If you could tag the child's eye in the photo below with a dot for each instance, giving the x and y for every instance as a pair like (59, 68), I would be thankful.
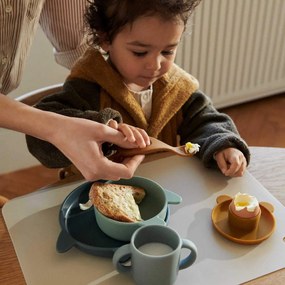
(168, 52)
(139, 54)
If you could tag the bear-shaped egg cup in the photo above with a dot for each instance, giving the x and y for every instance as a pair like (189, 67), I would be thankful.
(233, 220)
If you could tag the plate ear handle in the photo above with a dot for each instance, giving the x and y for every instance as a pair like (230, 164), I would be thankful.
(64, 242)
(222, 198)
(268, 206)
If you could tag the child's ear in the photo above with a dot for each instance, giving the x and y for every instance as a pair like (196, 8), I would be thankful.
(105, 43)
(105, 46)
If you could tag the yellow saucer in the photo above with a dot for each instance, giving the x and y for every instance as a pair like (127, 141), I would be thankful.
(263, 231)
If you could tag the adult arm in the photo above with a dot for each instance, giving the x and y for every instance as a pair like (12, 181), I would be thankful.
(83, 149)
(63, 24)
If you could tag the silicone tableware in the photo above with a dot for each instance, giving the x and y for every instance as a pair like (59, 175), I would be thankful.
(262, 232)
(79, 228)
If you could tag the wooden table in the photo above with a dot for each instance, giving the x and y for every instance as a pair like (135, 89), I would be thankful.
(267, 166)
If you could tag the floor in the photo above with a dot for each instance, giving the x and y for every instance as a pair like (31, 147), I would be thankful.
(261, 122)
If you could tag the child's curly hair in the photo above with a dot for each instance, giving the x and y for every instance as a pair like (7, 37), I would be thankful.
(106, 18)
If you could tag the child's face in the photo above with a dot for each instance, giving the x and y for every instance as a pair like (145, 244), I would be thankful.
(145, 51)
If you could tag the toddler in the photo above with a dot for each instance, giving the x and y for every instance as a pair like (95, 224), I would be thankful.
(128, 75)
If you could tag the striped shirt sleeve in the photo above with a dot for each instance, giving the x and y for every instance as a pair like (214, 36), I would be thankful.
(61, 21)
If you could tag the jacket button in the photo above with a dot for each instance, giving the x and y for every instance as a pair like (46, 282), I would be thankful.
(8, 9)
(4, 60)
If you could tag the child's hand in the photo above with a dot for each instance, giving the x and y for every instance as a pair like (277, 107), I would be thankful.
(231, 162)
(132, 134)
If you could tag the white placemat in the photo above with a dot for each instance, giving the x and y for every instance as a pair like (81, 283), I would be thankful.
(32, 222)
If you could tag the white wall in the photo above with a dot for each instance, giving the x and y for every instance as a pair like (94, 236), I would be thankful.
(41, 70)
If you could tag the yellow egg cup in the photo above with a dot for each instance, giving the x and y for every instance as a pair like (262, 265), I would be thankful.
(254, 231)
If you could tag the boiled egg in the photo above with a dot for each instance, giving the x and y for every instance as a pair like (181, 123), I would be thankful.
(191, 147)
(244, 205)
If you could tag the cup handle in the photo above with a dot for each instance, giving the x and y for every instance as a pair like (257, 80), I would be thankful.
(122, 254)
(190, 259)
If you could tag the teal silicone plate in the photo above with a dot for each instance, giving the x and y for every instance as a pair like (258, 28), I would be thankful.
(79, 228)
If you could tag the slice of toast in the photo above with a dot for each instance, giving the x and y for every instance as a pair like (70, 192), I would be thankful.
(118, 202)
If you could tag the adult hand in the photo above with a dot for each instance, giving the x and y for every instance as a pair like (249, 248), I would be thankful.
(81, 141)
(231, 162)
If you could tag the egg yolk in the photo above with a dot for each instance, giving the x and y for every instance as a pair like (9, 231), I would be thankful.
(242, 204)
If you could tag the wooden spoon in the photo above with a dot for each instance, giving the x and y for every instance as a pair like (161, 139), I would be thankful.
(154, 147)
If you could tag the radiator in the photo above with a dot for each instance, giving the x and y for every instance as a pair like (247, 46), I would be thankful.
(236, 49)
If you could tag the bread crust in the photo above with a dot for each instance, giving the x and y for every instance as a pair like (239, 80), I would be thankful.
(118, 202)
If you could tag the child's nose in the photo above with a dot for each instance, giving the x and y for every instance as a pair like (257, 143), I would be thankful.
(153, 63)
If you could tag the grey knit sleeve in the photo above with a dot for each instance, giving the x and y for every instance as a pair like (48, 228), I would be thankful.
(212, 130)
